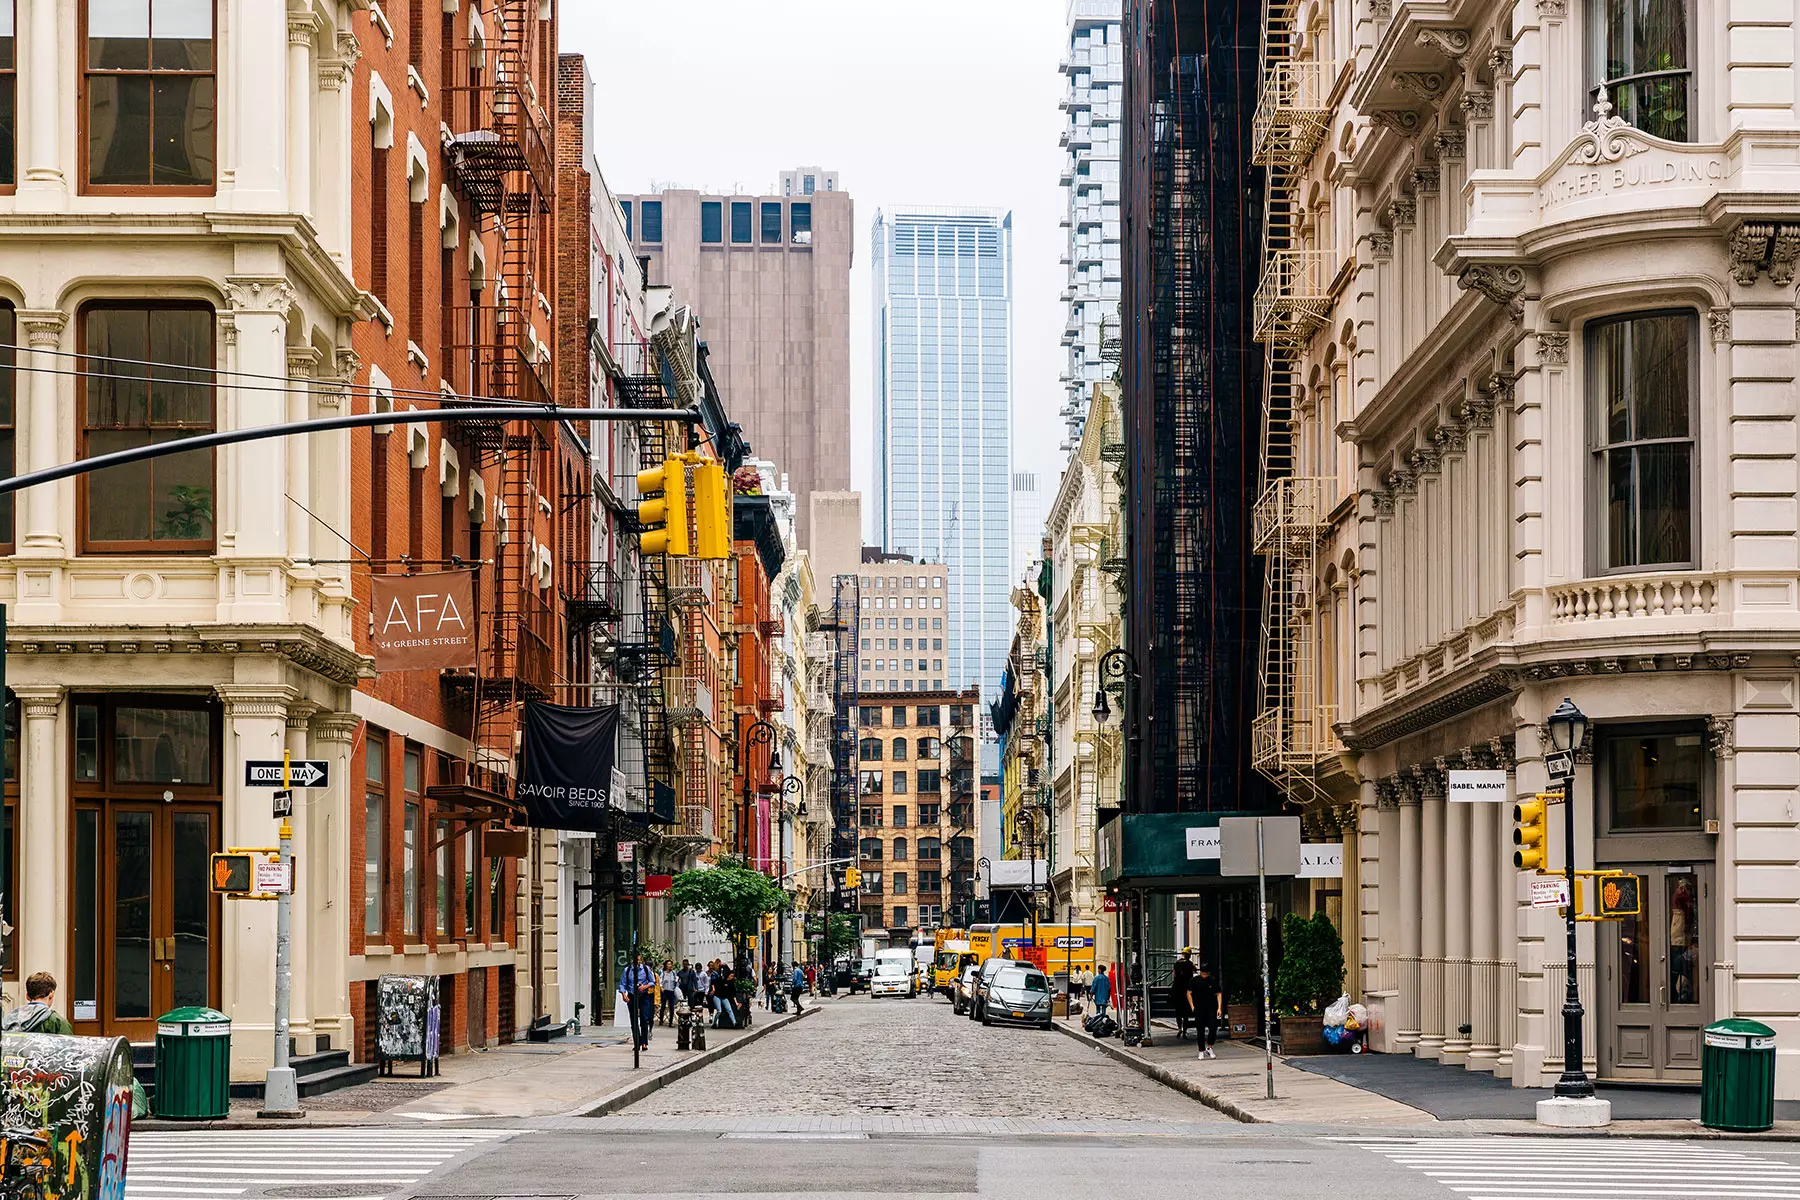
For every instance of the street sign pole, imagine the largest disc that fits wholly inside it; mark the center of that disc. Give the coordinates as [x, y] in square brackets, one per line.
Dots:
[281, 1089]
[1262, 935]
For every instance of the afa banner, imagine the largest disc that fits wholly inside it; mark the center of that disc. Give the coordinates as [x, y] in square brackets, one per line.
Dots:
[423, 622]
[566, 766]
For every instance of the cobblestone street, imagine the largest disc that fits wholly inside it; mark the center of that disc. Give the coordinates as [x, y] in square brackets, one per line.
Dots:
[914, 1057]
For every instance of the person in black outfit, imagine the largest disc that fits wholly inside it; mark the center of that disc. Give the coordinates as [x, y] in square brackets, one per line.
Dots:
[1179, 979]
[1208, 1007]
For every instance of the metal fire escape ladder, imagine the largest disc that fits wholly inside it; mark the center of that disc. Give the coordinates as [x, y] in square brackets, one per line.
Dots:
[1291, 732]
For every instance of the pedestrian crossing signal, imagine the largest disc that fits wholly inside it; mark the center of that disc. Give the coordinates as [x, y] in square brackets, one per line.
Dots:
[1529, 835]
[231, 874]
[1621, 896]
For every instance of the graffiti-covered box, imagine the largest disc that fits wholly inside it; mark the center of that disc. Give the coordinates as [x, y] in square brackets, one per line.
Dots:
[407, 1025]
[65, 1109]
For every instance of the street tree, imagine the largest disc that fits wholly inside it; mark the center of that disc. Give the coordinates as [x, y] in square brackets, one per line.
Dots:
[730, 894]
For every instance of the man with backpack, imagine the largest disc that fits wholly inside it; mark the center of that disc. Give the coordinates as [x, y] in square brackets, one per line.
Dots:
[36, 1015]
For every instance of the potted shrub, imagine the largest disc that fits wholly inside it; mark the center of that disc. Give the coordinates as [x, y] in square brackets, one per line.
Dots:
[1311, 976]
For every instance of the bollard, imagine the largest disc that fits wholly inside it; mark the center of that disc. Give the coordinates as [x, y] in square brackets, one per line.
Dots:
[684, 1026]
[66, 1110]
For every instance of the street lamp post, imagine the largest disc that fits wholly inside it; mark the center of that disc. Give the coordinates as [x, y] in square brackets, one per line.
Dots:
[1568, 727]
[759, 734]
[791, 785]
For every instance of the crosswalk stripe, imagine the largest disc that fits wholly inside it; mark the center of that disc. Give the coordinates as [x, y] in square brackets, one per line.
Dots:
[227, 1164]
[1502, 1168]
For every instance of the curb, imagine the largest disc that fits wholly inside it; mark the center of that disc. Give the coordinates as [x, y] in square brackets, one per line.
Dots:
[631, 1093]
[1167, 1078]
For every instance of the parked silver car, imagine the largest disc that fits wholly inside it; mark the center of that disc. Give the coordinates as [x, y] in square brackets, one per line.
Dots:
[978, 988]
[1017, 995]
[963, 990]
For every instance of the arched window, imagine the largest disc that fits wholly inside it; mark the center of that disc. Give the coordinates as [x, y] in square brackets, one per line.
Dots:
[899, 749]
[930, 749]
[900, 849]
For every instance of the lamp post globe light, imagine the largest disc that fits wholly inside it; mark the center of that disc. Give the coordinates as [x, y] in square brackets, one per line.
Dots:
[1119, 666]
[1568, 729]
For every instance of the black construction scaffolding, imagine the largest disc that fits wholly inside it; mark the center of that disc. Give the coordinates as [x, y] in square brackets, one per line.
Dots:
[1192, 400]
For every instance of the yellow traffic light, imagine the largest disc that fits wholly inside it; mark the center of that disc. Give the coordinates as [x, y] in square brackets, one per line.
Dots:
[1529, 833]
[712, 509]
[663, 516]
[231, 874]
[852, 877]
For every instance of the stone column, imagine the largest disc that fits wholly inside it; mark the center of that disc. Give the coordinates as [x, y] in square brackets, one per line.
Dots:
[301, 361]
[44, 415]
[1368, 887]
[255, 531]
[333, 165]
[1411, 899]
[302, 27]
[1457, 1013]
[1486, 849]
[1431, 917]
[43, 835]
[255, 727]
[331, 880]
[42, 112]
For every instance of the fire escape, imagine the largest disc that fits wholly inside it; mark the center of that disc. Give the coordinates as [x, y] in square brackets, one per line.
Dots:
[841, 627]
[498, 349]
[1292, 732]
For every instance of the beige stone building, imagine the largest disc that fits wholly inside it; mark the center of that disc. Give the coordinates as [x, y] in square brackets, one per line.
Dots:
[769, 276]
[1531, 315]
[901, 641]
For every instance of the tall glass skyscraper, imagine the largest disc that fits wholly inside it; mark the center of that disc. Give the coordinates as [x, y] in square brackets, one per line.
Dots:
[943, 416]
[1095, 101]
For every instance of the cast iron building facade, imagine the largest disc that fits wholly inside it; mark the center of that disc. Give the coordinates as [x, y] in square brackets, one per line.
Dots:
[1191, 399]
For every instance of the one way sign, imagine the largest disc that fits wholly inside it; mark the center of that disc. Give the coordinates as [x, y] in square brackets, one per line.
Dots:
[302, 773]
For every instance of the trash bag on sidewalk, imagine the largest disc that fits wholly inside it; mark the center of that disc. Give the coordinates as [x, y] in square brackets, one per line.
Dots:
[1338, 1012]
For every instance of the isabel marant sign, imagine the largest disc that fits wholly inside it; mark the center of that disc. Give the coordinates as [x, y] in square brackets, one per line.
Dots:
[566, 777]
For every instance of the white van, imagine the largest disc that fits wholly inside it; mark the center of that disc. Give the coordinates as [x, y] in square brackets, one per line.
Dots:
[902, 957]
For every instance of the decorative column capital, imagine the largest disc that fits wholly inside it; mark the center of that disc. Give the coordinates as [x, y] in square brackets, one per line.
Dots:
[1719, 320]
[1451, 144]
[1500, 62]
[256, 700]
[39, 701]
[1478, 104]
[300, 715]
[1504, 757]
[1403, 212]
[336, 727]
[302, 27]
[1381, 244]
[260, 293]
[1552, 347]
[43, 326]
[301, 360]
[1722, 735]
[1425, 179]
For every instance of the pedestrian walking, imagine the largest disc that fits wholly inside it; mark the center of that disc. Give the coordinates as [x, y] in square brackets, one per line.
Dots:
[668, 987]
[1102, 989]
[1209, 1009]
[1179, 979]
[37, 1015]
[796, 987]
[688, 979]
[724, 981]
[638, 989]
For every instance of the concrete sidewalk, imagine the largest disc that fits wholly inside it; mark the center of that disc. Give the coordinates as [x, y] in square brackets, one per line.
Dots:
[1234, 1083]
[585, 1075]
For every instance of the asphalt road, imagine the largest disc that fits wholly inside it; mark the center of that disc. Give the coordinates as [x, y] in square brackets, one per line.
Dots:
[901, 1098]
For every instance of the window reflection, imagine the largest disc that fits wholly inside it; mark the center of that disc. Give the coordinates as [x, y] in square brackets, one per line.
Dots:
[1683, 891]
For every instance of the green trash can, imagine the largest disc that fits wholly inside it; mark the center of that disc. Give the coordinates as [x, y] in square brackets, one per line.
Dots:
[193, 1065]
[1737, 1076]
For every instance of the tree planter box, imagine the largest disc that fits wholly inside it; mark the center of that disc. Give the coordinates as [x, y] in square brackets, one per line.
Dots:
[1242, 1020]
[1301, 1035]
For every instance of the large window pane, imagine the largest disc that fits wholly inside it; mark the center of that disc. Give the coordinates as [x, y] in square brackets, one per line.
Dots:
[150, 93]
[133, 867]
[712, 222]
[118, 34]
[119, 130]
[409, 881]
[162, 745]
[181, 33]
[1665, 477]
[1654, 780]
[1640, 58]
[84, 992]
[182, 108]
[192, 968]
[1642, 373]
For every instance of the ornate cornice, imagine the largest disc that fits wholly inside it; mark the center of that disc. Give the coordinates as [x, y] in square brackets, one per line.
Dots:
[1403, 121]
[299, 644]
[1502, 283]
[256, 700]
[1428, 86]
[1482, 690]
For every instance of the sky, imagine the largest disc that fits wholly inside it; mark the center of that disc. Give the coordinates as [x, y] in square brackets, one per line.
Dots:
[940, 102]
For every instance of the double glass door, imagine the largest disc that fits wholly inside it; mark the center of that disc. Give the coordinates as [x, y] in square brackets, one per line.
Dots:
[144, 920]
[1658, 982]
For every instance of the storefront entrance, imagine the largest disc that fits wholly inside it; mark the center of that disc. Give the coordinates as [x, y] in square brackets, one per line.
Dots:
[1657, 990]
[143, 922]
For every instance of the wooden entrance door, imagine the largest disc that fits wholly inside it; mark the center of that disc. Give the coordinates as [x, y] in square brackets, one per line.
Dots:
[1658, 987]
[145, 923]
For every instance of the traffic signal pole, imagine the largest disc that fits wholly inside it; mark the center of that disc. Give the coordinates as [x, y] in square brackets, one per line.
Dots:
[281, 1088]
